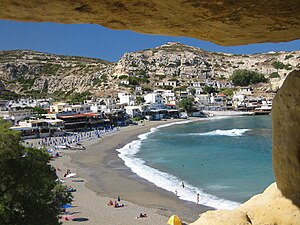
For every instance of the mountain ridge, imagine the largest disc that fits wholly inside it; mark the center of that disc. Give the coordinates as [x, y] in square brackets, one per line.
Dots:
[33, 72]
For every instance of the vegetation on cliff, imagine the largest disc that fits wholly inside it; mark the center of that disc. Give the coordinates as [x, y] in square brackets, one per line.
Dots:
[247, 77]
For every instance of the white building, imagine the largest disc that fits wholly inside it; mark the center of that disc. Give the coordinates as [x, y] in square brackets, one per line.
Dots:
[126, 98]
[28, 102]
[202, 99]
[16, 115]
[167, 95]
[62, 107]
[166, 83]
[134, 110]
[126, 82]
[153, 98]
[80, 108]
[245, 91]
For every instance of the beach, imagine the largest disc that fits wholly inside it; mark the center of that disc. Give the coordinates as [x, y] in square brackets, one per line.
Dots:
[105, 177]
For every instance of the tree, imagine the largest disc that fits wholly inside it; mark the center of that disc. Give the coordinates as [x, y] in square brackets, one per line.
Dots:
[193, 91]
[139, 99]
[209, 89]
[278, 65]
[29, 194]
[227, 91]
[247, 77]
[186, 104]
[274, 75]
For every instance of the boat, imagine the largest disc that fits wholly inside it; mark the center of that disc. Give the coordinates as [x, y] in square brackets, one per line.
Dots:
[263, 110]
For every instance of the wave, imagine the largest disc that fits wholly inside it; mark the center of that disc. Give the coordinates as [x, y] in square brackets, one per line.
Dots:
[230, 133]
[165, 180]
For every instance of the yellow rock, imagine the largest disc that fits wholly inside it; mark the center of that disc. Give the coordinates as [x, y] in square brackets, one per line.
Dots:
[286, 137]
[223, 217]
[269, 208]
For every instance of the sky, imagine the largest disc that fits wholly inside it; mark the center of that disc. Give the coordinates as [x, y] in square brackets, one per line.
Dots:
[99, 42]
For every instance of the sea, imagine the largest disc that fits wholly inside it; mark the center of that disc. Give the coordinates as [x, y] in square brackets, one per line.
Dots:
[225, 160]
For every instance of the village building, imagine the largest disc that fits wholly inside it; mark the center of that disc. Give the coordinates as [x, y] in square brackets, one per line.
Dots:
[126, 98]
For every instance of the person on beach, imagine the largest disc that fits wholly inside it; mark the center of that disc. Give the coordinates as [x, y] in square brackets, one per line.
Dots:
[142, 215]
[68, 172]
[182, 184]
[176, 192]
[198, 198]
[110, 203]
[119, 198]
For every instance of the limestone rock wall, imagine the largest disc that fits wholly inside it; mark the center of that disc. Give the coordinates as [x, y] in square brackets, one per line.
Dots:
[270, 208]
[286, 137]
[224, 22]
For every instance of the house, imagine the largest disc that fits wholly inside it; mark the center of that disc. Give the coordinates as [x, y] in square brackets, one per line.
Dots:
[62, 107]
[245, 90]
[153, 98]
[224, 84]
[134, 110]
[78, 108]
[16, 115]
[202, 99]
[3, 105]
[168, 95]
[35, 128]
[166, 83]
[126, 98]
[58, 107]
[124, 82]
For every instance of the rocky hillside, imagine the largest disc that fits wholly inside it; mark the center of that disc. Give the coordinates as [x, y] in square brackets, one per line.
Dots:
[30, 72]
[185, 63]
[36, 73]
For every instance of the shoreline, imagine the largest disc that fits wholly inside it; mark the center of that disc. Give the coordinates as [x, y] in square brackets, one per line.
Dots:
[106, 177]
[109, 176]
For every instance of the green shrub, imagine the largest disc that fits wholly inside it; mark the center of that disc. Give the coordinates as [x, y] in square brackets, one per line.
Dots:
[247, 77]
[209, 89]
[274, 75]
[137, 118]
[123, 77]
[227, 91]
[279, 65]
[288, 56]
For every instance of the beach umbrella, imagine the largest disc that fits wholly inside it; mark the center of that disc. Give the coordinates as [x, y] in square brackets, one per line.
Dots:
[66, 206]
[174, 220]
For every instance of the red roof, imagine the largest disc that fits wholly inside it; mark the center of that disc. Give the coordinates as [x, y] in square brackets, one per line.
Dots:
[169, 104]
[79, 115]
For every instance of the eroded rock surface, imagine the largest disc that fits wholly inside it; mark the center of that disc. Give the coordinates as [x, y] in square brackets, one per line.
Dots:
[224, 22]
[286, 137]
[271, 208]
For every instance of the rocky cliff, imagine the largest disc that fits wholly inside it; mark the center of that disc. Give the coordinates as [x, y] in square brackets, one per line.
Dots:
[30, 72]
[186, 63]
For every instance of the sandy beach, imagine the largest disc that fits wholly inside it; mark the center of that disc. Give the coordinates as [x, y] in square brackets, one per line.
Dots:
[104, 177]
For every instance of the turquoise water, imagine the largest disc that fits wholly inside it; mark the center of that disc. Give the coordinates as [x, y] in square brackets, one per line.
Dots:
[225, 160]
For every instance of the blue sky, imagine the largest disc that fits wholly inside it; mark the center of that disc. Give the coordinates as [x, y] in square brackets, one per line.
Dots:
[99, 42]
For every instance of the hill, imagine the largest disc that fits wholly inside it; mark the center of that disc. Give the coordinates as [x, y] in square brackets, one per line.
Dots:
[34, 73]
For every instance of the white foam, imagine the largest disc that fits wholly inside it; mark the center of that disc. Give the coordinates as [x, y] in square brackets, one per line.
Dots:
[165, 180]
[230, 133]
